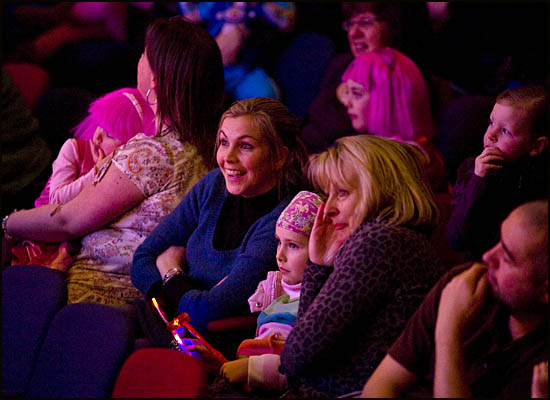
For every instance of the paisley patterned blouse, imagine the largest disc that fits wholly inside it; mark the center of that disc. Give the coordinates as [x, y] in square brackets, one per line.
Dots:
[164, 169]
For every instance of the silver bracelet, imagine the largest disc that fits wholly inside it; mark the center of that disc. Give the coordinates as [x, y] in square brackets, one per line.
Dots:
[170, 274]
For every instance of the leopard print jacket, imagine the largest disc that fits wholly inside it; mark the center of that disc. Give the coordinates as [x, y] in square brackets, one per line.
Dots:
[351, 313]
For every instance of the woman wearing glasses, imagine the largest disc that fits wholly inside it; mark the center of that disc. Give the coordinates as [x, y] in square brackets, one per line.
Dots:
[369, 26]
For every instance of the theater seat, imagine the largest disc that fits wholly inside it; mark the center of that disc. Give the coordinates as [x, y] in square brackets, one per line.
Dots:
[161, 373]
[300, 68]
[446, 253]
[82, 353]
[31, 80]
[226, 334]
[31, 297]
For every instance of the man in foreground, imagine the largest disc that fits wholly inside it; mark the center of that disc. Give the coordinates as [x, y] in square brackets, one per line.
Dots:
[483, 329]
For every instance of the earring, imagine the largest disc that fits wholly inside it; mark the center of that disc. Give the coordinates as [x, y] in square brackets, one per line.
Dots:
[147, 97]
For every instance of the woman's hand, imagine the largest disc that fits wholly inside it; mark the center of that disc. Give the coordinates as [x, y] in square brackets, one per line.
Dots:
[324, 240]
[174, 256]
[235, 371]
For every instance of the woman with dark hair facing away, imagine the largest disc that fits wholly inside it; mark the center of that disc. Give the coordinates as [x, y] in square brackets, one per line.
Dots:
[207, 257]
[180, 74]
[370, 263]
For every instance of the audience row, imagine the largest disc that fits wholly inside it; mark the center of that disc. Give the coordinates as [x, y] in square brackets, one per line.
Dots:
[333, 251]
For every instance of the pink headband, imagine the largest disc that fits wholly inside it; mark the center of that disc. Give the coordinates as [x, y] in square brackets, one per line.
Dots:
[135, 103]
[300, 214]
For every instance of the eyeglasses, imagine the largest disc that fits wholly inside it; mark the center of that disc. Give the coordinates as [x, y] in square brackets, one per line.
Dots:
[361, 22]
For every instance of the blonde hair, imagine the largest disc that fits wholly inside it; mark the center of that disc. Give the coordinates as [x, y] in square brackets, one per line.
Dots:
[391, 179]
[281, 129]
[532, 100]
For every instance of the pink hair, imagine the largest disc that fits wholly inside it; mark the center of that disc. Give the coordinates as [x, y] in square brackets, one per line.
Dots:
[399, 102]
[122, 113]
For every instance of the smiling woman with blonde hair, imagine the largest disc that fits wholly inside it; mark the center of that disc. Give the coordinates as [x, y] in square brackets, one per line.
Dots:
[370, 263]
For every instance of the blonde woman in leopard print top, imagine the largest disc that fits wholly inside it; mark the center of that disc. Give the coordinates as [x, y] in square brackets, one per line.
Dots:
[371, 263]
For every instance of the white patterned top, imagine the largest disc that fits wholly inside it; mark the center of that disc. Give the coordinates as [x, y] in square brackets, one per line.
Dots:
[164, 169]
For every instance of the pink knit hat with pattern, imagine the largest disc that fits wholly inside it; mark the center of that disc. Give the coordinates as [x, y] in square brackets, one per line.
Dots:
[300, 214]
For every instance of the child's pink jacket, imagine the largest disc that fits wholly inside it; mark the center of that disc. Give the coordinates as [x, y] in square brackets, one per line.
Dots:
[263, 369]
[73, 169]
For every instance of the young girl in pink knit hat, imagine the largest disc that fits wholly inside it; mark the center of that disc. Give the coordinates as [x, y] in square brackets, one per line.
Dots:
[277, 299]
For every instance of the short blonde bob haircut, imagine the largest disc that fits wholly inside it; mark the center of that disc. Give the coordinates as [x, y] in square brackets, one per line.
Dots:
[390, 176]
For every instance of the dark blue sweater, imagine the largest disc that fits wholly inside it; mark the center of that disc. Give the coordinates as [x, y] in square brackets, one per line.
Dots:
[192, 225]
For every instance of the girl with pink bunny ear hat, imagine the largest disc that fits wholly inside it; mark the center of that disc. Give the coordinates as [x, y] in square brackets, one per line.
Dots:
[276, 298]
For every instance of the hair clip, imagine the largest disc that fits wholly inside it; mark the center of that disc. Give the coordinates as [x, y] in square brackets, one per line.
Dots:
[135, 103]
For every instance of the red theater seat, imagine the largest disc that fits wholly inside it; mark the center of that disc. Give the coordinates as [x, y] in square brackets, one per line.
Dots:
[161, 373]
[30, 79]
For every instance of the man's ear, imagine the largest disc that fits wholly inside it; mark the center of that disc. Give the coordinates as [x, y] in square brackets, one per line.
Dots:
[545, 294]
[541, 143]
[281, 161]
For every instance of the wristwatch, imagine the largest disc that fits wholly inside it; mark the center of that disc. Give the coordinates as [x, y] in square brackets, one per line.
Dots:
[170, 274]
[4, 223]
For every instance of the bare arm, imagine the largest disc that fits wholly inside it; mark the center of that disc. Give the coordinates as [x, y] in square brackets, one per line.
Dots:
[90, 210]
[389, 379]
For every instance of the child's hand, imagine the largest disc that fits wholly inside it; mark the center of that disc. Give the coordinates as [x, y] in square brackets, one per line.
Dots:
[97, 154]
[235, 371]
[490, 159]
[539, 384]
[211, 363]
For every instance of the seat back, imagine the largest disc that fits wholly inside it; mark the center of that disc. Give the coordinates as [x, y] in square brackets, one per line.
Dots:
[299, 70]
[447, 255]
[161, 373]
[82, 353]
[31, 297]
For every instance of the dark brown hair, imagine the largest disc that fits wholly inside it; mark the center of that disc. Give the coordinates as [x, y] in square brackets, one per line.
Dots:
[187, 64]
